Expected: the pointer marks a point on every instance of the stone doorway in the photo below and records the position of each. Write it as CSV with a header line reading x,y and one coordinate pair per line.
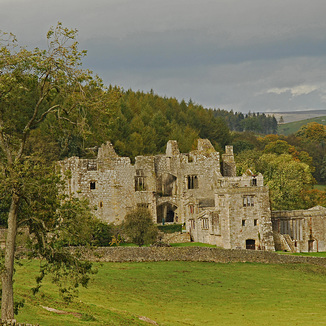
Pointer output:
x,y
310,245
250,244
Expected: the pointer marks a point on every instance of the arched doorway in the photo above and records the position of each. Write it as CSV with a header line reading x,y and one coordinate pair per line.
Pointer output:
x,y
165,212
250,244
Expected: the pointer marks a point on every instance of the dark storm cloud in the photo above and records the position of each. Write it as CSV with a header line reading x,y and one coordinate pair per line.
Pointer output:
x,y
245,55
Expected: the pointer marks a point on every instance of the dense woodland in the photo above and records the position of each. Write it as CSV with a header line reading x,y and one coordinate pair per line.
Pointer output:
x,y
255,122
136,123
139,123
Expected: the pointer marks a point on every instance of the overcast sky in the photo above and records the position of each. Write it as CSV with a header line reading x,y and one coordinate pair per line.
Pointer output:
x,y
257,55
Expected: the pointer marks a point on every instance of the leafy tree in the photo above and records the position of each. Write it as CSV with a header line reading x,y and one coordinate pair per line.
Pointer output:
x,y
247,160
286,179
139,226
37,85
313,131
102,233
278,147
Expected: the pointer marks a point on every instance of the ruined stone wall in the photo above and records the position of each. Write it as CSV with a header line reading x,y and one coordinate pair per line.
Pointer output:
x,y
183,188
108,184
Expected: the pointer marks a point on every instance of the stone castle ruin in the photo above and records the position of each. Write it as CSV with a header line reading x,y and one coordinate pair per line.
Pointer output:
x,y
197,189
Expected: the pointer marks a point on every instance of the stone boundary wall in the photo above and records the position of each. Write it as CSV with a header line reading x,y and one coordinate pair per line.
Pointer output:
x,y
13,323
202,254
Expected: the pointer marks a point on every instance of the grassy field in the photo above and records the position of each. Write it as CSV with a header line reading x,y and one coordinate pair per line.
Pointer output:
x,y
184,293
292,127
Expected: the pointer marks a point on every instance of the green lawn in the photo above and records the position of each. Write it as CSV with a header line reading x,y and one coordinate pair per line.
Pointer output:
x,y
185,293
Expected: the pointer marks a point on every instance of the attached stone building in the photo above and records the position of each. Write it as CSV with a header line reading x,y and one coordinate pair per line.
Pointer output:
x,y
300,230
196,189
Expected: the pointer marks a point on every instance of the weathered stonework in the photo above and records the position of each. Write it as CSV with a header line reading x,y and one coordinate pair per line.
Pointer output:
x,y
300,230
216,206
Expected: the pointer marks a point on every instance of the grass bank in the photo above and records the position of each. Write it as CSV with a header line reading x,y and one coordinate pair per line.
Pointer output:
x,y
184,293
292,127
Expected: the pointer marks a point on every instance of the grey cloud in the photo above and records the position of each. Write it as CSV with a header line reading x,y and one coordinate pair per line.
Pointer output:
x,y
220,53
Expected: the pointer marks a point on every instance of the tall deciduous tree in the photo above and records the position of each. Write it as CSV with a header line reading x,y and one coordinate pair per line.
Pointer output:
x,y
33,85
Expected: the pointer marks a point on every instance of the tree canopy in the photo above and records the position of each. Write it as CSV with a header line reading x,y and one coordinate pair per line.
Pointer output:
x,y
37,85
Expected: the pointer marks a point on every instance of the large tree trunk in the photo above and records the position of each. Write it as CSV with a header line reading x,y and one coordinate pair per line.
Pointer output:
x,y
7,303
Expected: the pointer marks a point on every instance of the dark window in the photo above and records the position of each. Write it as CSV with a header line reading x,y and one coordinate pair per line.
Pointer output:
x,y
255,222
243,222
253,181
140,184
192,182
142,205
101,204
92,185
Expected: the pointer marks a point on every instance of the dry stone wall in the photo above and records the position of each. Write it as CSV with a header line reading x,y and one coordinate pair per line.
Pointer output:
x,y
203,254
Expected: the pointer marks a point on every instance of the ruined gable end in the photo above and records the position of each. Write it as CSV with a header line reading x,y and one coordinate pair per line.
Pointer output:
x,y
106,151
172,148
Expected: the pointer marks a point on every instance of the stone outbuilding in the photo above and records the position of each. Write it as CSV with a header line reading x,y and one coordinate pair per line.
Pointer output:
x,y
300,230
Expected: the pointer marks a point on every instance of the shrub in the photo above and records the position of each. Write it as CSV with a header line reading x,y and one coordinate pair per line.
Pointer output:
x,y
139,227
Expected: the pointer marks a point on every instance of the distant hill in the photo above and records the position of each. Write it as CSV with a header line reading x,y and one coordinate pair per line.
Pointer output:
x,y
292,127
292,116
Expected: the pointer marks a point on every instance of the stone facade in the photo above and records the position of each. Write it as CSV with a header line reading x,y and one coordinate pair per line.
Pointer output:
x,y
196,189
300,230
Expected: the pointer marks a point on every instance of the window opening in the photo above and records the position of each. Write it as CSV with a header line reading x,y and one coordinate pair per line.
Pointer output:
x,y
92,185
243,222
192,182
205,223
191,209
253,182
248,201
91,165
142,205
